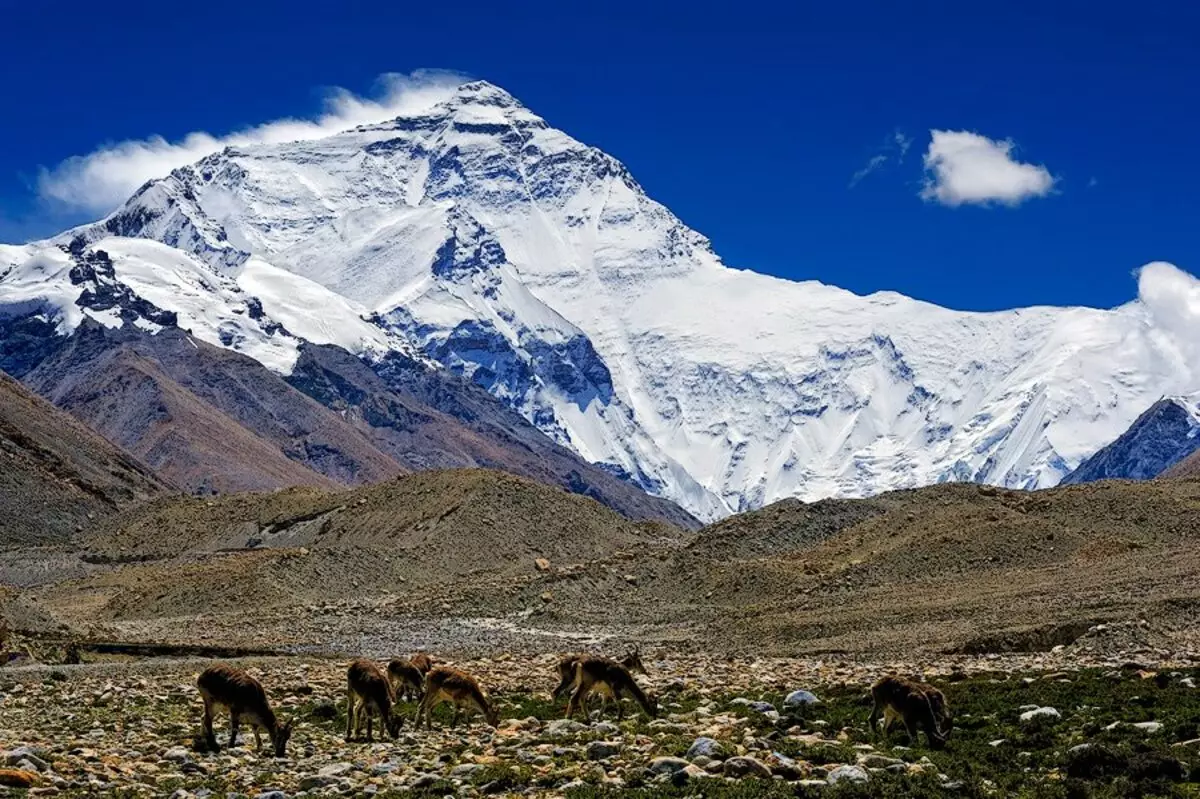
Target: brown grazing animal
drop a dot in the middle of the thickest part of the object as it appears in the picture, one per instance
(611, 680)
(406, 678)
(919, 705)
(368, 693)
(445, 684)
(243, 696)
(422, 661)
(566, 669)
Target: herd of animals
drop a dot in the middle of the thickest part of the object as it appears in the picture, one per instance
(372, 691)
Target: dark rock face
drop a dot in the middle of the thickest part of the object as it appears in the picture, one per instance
(25, 341)
(103, 292)
(1160, 438)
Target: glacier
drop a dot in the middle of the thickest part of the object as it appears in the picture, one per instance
(474, 235)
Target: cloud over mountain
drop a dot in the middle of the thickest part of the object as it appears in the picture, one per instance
(103, 179)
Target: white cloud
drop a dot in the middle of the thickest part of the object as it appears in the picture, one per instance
(1172, 296)
(963, 167)
(106, 177)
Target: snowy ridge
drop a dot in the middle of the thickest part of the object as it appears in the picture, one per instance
(1191, 404)
(475, 234)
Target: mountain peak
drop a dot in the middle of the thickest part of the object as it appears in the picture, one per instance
(482, 92)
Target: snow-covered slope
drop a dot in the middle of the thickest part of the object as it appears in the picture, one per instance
(536, 265)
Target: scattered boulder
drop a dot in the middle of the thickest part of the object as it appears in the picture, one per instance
(848, 774)
(465, 771)
(177, 754)
(602, 750)
(24, 754)
(784, 766)
(667, 765)
(800, 699)
(708, 747)
(743, 766)
(564, 728)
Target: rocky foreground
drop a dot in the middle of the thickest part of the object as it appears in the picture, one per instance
(1042, 725)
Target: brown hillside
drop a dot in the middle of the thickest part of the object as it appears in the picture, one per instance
(306, 545)
(55, 473)
(934, 569)
(208, 419)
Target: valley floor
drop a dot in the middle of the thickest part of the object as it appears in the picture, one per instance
(1119, 725)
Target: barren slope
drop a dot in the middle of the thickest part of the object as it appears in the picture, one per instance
(56, 474)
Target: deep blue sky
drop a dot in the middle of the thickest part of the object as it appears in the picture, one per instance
(747, 120)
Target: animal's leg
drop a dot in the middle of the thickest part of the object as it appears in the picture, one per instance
(209, 737)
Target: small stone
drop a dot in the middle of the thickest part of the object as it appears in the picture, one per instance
(177, 754)
(424, 781)
(798, 699)
(601, 750)
(708, 747)
(667, 765)
(542, 564)
(1148, 727)
(783, 766)
(743, 766)
(848, 774)
(879, 761)
(335, 770)
(465, 771)
(24, 754)
(563, 728)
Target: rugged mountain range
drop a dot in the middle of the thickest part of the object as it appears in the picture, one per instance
(473, 235)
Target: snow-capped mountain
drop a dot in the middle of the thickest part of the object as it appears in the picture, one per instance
(1166, 434)
(476, 235)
